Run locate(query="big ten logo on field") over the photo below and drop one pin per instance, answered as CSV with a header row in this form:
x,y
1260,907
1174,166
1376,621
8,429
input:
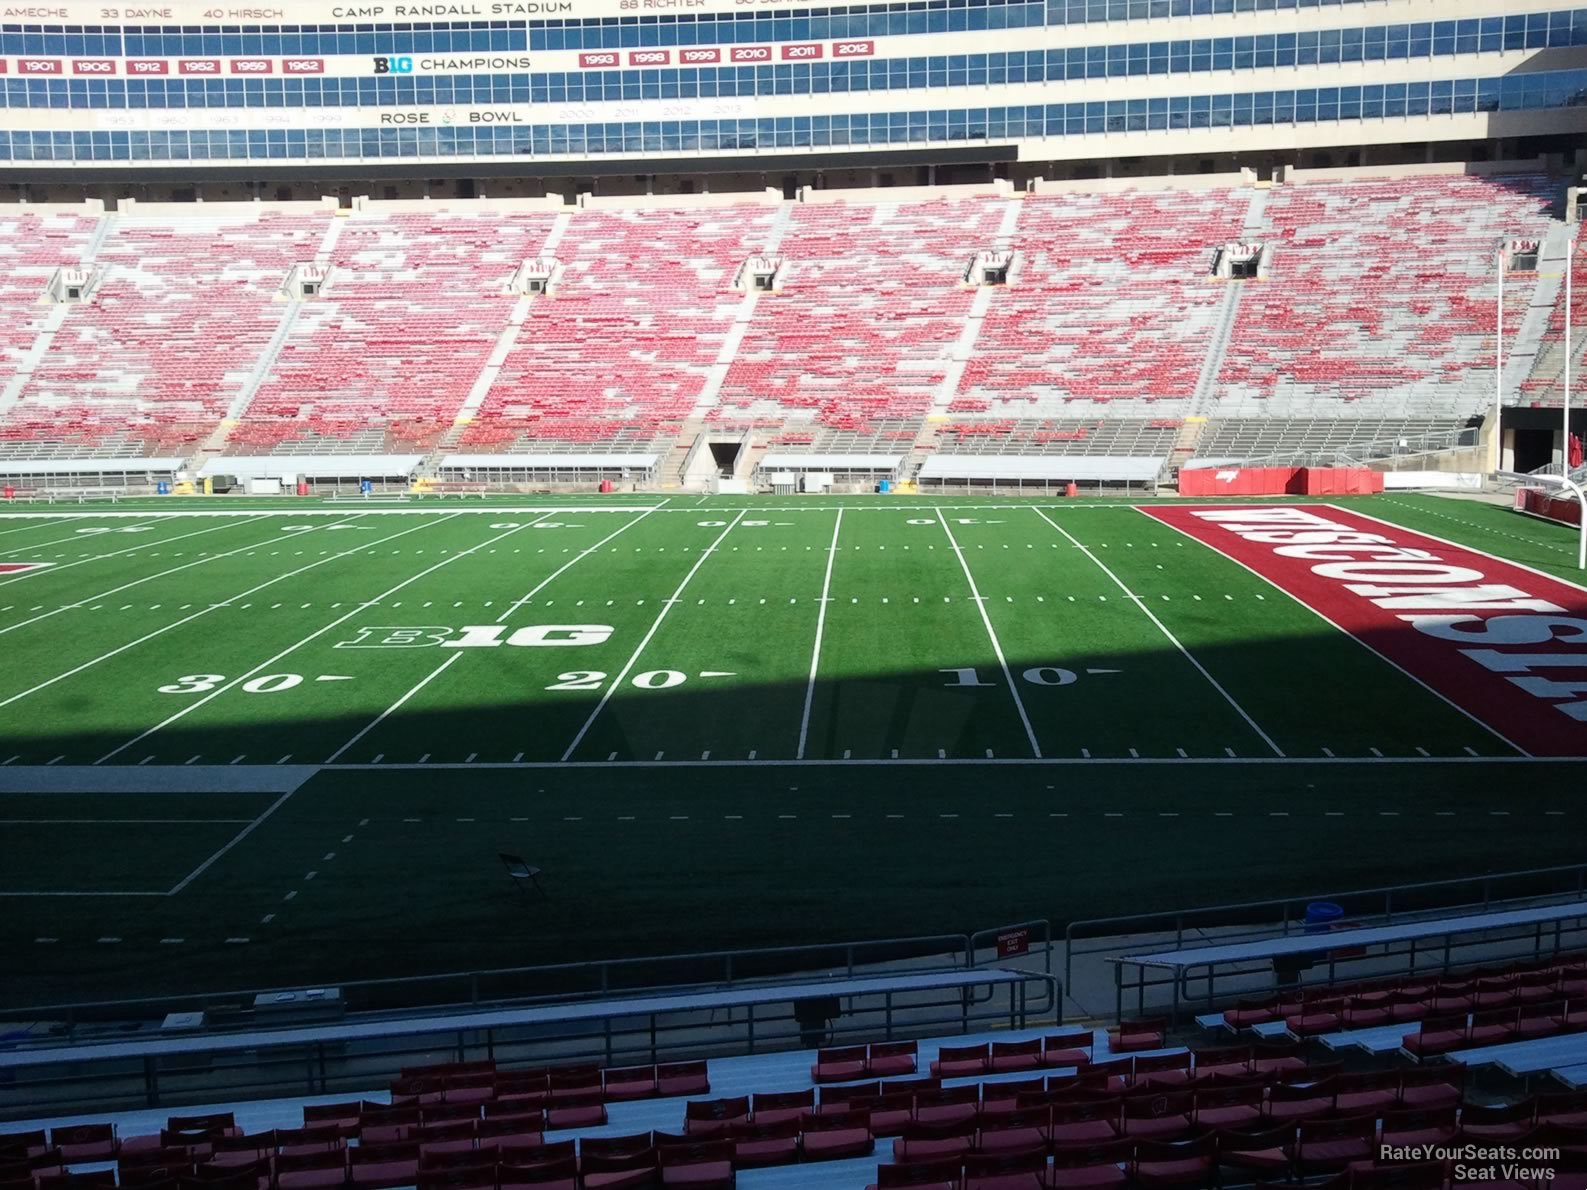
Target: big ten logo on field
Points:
x,y
477,636
402,65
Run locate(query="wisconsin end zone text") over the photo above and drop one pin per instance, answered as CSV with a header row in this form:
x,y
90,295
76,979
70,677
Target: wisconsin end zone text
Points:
x,y
1505,644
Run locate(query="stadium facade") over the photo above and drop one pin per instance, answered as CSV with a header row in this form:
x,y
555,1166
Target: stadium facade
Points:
x,y
629,96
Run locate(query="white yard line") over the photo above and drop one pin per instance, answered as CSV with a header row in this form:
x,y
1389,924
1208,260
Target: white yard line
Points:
x,y
135,582
665,608
396,706
238,838
821,624
1493,731
204,612
302,513
24,528
123,821
1470,549
540,586
980,606
510,609
84,894
147,543
965,762
357,610
79,537
1163,628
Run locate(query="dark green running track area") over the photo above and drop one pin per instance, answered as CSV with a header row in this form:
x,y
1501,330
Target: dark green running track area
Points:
x,y
248,745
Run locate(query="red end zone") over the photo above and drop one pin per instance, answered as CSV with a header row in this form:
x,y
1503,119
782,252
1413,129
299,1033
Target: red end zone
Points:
x,y
1505,644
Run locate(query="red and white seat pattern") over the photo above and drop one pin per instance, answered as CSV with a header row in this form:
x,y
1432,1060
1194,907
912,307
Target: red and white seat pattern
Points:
x,y
180,315
32,247
1381,294
1546,385
413,307
1113,302
870,307
620,350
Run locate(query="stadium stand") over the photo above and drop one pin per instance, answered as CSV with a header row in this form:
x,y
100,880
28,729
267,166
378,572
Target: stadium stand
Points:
x,y
1546,384
180,314
618,353
1112,302
384,361
866,319
33,248
1170,1118
1372,324
1380,301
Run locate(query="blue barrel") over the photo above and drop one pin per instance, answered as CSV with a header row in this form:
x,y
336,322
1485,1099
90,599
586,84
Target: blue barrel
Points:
x,y
365,486
885,486
1321,916
162,489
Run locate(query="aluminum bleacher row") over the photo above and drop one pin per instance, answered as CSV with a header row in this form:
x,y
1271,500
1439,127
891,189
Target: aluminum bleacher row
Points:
x,y
1254,437
1546,385
1377,311
1059,436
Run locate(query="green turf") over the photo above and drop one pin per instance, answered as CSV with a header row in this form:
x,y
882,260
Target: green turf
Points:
x,y
714,609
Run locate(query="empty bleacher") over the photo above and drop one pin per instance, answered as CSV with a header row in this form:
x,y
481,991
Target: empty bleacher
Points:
x,y
1260,437
617,354
1016,1111
1546,385
180,316
384,361
1374,323
1112,308
1380,300
870,306
32,248
1059,436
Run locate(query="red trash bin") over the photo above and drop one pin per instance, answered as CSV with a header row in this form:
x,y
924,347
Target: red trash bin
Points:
x,y
1071,489
303,487
10,492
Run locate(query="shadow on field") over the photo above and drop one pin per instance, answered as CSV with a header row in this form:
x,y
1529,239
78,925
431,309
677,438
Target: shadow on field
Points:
x,y
675,858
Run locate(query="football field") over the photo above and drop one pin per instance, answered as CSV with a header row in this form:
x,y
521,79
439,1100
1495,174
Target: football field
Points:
x,y
244,744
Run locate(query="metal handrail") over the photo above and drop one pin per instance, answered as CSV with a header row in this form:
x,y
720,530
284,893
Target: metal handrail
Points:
x,y
717,968
1284,907
289,1067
